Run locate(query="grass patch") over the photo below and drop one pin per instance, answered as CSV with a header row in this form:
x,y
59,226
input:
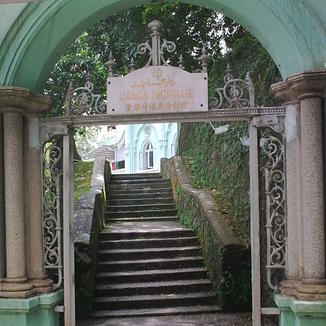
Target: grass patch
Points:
x,y
82,178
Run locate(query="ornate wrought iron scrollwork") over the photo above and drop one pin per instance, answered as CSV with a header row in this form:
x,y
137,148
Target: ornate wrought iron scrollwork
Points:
x,y
143,48
82,100
167,46
235,94
52,209
276,224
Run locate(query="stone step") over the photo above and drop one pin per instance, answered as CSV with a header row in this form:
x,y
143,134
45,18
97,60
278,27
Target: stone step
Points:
x,y
139,180
154,301
151,288
141,213
135,176
171,311
143,194
113,233
150,264
143,207
142,219
138,201
149,243
145,186
148,253
152,275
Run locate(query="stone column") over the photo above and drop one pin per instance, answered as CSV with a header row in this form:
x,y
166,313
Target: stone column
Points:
x,y
306,230
33,205
2,216
294,216
15,103
16,282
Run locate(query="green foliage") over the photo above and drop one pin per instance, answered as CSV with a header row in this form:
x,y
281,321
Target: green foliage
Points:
x,y
188,26
186,209
220,163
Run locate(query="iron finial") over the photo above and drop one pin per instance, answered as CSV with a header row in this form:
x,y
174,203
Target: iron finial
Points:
x,y
203,59
228,74
180,62
88,77
155,27
132,66
110,64
228,68
251,89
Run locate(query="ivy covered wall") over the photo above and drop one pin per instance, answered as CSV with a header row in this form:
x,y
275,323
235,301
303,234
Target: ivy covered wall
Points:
x,y
220,163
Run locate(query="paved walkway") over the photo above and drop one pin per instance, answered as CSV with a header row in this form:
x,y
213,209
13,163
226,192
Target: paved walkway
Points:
x,y
220,319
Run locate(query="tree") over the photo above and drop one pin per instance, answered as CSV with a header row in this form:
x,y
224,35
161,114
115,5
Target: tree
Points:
x,y
190,27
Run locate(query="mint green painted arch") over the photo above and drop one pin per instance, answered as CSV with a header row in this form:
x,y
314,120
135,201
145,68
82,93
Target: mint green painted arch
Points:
x,y
292,31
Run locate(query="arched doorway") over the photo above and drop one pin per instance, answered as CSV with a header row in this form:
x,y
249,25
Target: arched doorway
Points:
x,y
148,156
20,51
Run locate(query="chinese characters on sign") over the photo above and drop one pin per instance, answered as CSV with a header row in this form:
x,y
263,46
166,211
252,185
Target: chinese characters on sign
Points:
x,y
162,89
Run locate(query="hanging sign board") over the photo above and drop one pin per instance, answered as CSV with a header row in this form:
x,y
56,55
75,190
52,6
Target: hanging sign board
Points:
x,y
157,89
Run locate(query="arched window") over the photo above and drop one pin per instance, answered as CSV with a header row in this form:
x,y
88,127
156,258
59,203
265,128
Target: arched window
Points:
x,y
149,156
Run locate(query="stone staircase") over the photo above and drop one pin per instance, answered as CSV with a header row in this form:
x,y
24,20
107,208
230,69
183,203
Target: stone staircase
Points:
x,y
148,263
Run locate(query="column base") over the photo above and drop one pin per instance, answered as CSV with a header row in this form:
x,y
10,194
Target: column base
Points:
x,y
11,289
42,286
38,310
300,313
312,290
289,287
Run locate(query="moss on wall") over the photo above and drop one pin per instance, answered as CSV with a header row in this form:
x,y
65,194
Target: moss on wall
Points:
x,y
86,253
228,266
82,178
220,164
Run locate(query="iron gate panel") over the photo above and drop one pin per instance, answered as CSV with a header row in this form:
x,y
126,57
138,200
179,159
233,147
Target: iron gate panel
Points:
x,y
234,101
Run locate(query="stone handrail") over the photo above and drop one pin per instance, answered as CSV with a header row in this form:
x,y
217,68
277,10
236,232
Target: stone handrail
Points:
x,y
89,222
227,259
173,169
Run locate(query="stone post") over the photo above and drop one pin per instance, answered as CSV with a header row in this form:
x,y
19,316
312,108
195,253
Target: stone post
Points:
x,y
15,103
305,187
2,216
16,282
33,205
155,27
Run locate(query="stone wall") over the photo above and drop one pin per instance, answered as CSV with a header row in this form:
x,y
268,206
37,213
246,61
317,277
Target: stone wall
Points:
x,y
227,259
89,222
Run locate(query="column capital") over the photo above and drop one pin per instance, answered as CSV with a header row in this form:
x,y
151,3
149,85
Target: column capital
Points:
x,y
23,100
297,87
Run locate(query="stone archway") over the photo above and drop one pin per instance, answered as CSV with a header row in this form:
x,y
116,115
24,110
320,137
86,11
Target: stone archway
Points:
x,y
294,33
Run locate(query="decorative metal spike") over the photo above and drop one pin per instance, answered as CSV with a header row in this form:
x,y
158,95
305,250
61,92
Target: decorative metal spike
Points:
x,y
228,69
251,89
110,64
88,77
180,62
132,66
203,59
68,96
228,74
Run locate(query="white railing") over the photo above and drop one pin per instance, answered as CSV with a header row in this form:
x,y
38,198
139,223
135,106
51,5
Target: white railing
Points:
x,y
120,171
